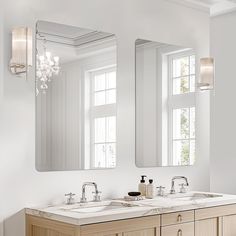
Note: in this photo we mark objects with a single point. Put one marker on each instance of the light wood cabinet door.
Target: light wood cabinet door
(37, 226)
(229, 225)
(143, 226)
(186, 229)
(39, 231)
(106, 234)
(144, 232)
(208, 227)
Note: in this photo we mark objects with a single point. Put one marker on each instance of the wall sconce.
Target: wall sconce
(21, 51)
(207, 74)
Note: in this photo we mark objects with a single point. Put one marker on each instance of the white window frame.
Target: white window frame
(178, 101)
(99, 111)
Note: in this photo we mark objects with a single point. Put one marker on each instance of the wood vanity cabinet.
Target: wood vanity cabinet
(38, 226)
(229, 225)
(208, 227)
(214, 221)
(143, 226)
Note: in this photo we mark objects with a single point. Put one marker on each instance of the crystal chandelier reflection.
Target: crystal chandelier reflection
(47, 67)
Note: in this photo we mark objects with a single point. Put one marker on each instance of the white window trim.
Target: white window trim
(98, 111)
(186, 100)
(88, 65)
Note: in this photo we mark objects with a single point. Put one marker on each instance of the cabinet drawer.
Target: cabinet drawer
(177, 218)
(186, 229)
(212, 212)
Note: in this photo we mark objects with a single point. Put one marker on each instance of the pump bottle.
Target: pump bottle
(142, 187)
(150, 193)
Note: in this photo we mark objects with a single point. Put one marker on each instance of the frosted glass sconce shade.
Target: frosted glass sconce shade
(207, 74)
(21, 50)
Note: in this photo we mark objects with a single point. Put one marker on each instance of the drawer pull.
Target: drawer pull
(179, 232)
(179, 218)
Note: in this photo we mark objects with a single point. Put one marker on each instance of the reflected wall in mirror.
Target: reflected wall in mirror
(165, 104)
(76, 98)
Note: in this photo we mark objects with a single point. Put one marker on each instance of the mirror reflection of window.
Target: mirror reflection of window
(182, 108)
(103, 118)
(165, 104)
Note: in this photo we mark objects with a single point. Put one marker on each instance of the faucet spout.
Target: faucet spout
(83, 198)
(172, 191)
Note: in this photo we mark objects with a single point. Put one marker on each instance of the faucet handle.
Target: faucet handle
(160, 191)
(97, 196)
(182, 188)
(70, 200)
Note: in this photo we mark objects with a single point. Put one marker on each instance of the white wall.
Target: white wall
(223, 113)
(147, 102)
(157, 20)
(58, 115)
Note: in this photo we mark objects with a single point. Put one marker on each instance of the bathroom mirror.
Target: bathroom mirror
(165, 104)
(75, 98)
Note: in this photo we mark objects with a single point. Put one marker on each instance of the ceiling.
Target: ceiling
(216, 7)
(72, 43)
(69, 35)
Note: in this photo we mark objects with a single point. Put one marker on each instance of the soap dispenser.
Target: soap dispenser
(150, 189)
(142, 187)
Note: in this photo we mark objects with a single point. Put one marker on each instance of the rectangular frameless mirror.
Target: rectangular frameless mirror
(165, 104)
(75, 98)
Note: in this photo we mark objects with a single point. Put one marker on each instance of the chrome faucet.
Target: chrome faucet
(70, 198)
(97, 197)
(172, 191)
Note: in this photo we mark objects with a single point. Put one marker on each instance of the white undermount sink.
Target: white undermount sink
(193, 196)
(100, 207)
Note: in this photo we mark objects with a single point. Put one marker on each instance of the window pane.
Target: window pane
(99, 82)
(183, 126)
(111, 96)
(185, 153)
(111, 129)
(176, 86)
(181, 123)
(192, 152)
(180, 67)
(192, 122)
(111, 155)
(181, 85)
(192, 65)
(181, 153)
(99, 98)
(111, 80)
(192, 83)
(99, 128)
(100, 155)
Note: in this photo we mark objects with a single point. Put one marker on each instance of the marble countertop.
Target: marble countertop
(110, 210)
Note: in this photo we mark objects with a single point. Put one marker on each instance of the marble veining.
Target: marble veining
(89, 213)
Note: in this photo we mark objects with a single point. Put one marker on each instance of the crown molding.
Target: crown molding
(216, 9)
(194, 4)
(223, 8)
